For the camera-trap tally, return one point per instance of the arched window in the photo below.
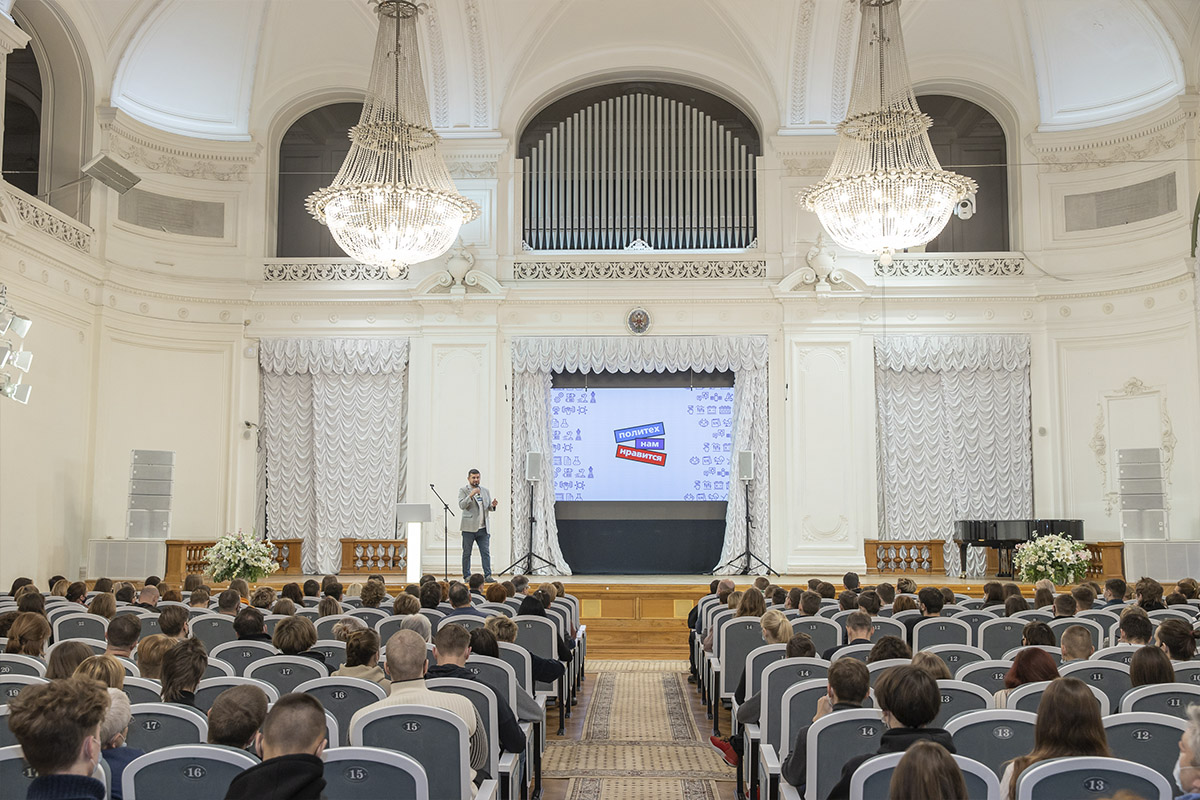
(639, 166)
(310, 155)
(968, 140)
(23, 121)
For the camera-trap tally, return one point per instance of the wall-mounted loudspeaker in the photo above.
(745, 465)
(533, 467)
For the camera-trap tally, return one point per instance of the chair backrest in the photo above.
(271, 620)
(859, 651)
(872, 780)
(829, 611)
(97, 646)
(1094, 628)
(1106, 619)
(1055, 652)
(434, 737)
(14, 664)
(960, 697)
(1162, 698)
(1110, 677)
(334, 652)
(882, 626)
(492, 609)
(325, 625)
(841, 617)
(972, 603)
(310, 611)
(1033, 614)
(496, 674)
(883, 665)
(1171, 613)
(210, 688)
(158, 725)
(1146, 738)
(835, 739)
(387, 627)
(131, 669)
(518, 658)
(149, 625)
(12, 685)
(14, 772)
(212, 629)
(757, 660)
(538, 636)
(940, 630)
(1090, 777)
(217, 668)
(484, 700)
(797, 704)
(824, 633)
(957, 656)
(369, 615)
(468, 621)
(352, 773)
(998, 636)
(285, 673)
(1121, 653)
(1187, 671)
(737, 638)
(241, 654)
(343, 697)
(950, 609)
(718, 620)
(994, 736)
(142, 690)
(1028, 696)
(974, 618)
(80, 626)
(988, 675)
(187, 772)
(435, 616)
(776, 679)
(7, 739)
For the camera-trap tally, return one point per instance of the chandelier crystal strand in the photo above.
(393, 202)
(885, 190)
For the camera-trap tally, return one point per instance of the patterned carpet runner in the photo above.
(639, 739)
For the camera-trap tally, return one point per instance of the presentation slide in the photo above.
(641, 444)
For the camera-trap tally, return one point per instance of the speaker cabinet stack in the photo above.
(151, 484)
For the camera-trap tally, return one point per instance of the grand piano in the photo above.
(1006, 534)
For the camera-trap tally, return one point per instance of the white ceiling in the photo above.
(233, 69)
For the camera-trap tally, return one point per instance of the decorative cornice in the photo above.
(639, 270)
(807, 168)
(309, 271)
(481, 112)
(843, 59)
(1056, 155)
(943, 266)
(158, 156)
(51, 222)
(471, 168)
(801, 44)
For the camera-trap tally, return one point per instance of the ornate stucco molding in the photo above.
(801, 45)
(940, 266)
(51, 222)
(639, 270)
(144, 151)
(309, 271)
(1056, 155)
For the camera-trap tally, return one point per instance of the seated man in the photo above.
(545, 670)
(122, 635)
(799, 646)
(1114, 594)
(58, 727)
(1037, 633)
(850, 581)
(173, 622)
(291, 742)
(849, 679)
(1076, 644)
(431, 595)
(124, 594)
(858, 631)
(249, 625)
(910, 700)
(235, 717)
(869, 602)
(1064, 606)
(1135, 629)
(228, 602)
(406, 665)
(810, 604)
(199, 598)
(848, 601)
(460, 600)
(1085, 598)
(931, 602)
(451, 649)
(148, 598)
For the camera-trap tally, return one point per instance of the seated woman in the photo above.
(103, 605)
(903, 603)
(484, 643)
(1030, 666)
(182, 670)
(362, 659)
(1177, 639)
(1068, 724)
(105, 669)
(1015, 604)
(545, 670)
(150, 654)
(295, 636)
(927, 770)
(28, 634)
(933, 665)
(993, 594)
(64, 658)
(1149, 666)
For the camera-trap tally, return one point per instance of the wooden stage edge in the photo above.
(645, 616)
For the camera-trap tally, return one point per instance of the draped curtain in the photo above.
(954, 436)
(535, 359)
(331, 441)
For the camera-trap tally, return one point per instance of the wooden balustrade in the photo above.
(925, 557)
(186, 557)
(374, 556)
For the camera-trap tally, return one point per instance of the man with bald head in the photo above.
(148, 598)
(405, 665)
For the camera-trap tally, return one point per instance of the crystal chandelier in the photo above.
(393, 203)
(885, 190)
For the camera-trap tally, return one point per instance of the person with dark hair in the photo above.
(826, 590)
(334, 590)
(1149, 593)
(311, 589)
(451, 649)
(1029, 666)
(810, 604)
(993, 594)
(1085, 598)
(173, 622)
(124, 593)
(527, 709)
(152, 580)
(889, 647)
(362, 659)
(1064, 606)
(32, 602)
(102, 585)
(849, 681)
(1175, 599)
(476, 504)
(1177, 639)
(460, 602)
(54, 581)
(927, 770)
(426, 578)
(291, 743)
(1134, 629)
(792, 599)
(192, 581)
(293, 592)
(858, 631)
(431, 595)
(847, 600)
(869, 602)
(475, 583)
(931, 602)
(1037, 632)
(1076, 644)
(236, 715)
(1043, 598)
(887, 593)
(1114, 593)
(77, 593)
(17, 584)
(250, 625)
(910, 700)
(1188, 587)
(122, 635)
(199, 598)
(182, 670)
(1150, 665)
(1011, 589)
(64, 659)
(373, 594)
(1068, 725)
(295, 636)
(58, 727)
(851, 583)
(1015, 604)
(229, 602)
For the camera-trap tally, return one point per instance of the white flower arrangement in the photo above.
(1055, 557)
(238, 555)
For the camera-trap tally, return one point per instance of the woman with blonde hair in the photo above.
(933, 665)
(28, 635)
(284, 607)
(150, 654)
(329, 607)
(104, 668)
(903, 603)
(927, 770)
(59, 589)
(906, 586)
(103, 605)
(405, 604)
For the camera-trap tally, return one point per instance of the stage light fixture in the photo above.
(6, 318)
(20, 325)
(22, 360)
(15, 390)
(6, 349)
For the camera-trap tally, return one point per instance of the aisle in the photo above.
(634, 735)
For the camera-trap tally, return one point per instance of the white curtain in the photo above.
(332, 419)
(954, 436)
(534, 359)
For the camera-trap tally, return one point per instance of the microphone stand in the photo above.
(445, 531)
(747, 555)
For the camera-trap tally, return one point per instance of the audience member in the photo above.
(779, 596)
(993, 594)
(545, 670)
(1076, 644)
(362, 659)
(496, 593)
(1150, 665)
(1149, 594)
(1135, 629)
(1085, 598)
(1175, 599)
(150, 654)
(373, 594)
(291, 743)
(1187, 772)
(848, 683)
(761, 583)
(903, 603)
(931, 601)
(431, 595)
(451, 649)
(103, 585)
(263, 598)
(1177, 639)
(934, 666)
(250, 625)
(173, 622)
(858, 631)
(152, 580)
(1030, 666)
(826, 590)
(147, 598)
(927, 771)
(418, 624)
(520, 584)
(105, 669)
(887, 593)
(346, 626)
(58, 727)
(353, 590)
(484, 643)
(889, 647)
(792, 599)
(909, 700)
(948, 597)
(334, 590)
(1189, 588)
(460, 602)
(1015, 604)
(847, 600)
(171, 596)
(329, 607)
(77, 593)
(1068, 725)
(906, 586)
(509, 589)
(406, 665)
(1064, 606)
(295, 636)
(236, 715)
(58, 586)
(181, 672)
(1037, 632)
(103, 605)
(199, 598)
(869, 602)
(242, 588)
(64, 658)
(810, 604)
(851, 582)
(1114, 592)
(229, 602)
(475, 583)
(28, 635)
(32, 602)
(1011, 590)
(311, 588)
(283, 607)
(192, 581)
(6, 621)
(532, 606)
(1043, 598)
(752, 604)
(405, 603)
(113, 731)
(326, 581)
(293, 592)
